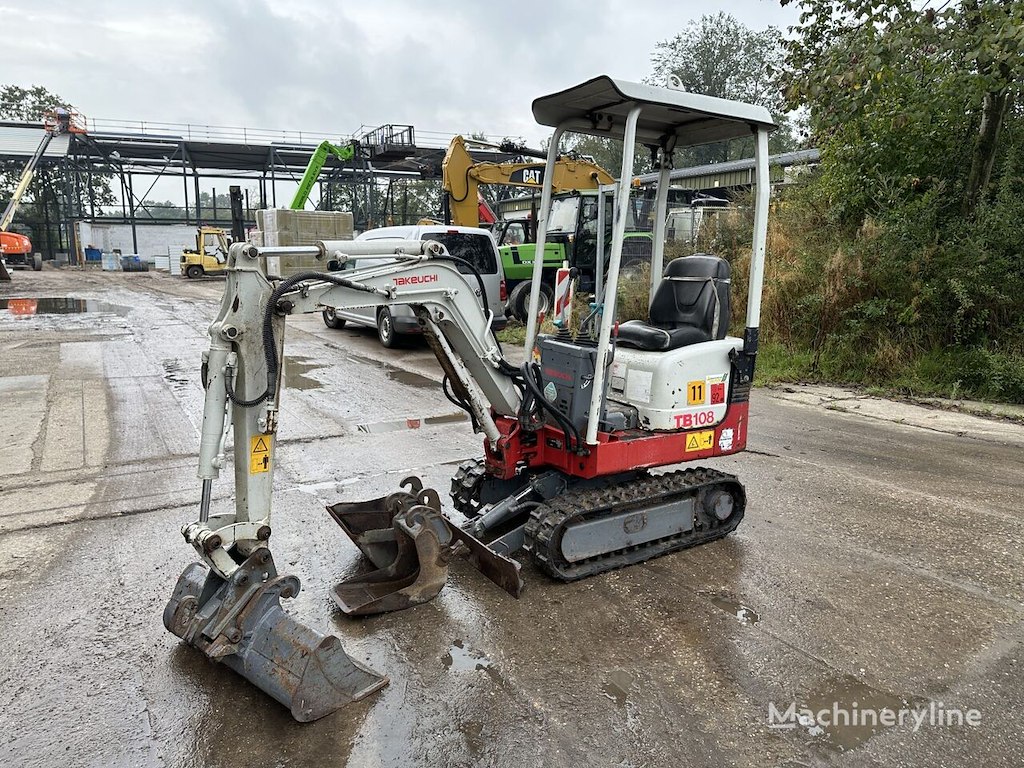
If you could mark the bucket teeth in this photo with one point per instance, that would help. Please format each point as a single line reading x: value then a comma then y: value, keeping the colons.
x: 240, y: 623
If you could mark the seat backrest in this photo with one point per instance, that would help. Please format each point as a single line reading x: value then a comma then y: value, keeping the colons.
x: 694, y: 292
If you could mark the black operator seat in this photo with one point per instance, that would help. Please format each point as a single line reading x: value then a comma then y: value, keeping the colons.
x: 690, y: 305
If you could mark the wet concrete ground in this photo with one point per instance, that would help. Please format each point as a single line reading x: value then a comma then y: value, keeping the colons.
x: 879, y: 563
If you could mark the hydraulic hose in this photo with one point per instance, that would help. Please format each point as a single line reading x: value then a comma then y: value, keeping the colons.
x: 269, y: 343
x: 531, y: 374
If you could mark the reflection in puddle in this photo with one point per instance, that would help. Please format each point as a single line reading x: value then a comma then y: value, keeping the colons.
x: 295, y: 370
x: 397, y: 425
x: 58, y: 306
x: 743, y: 614
x: 617, y: 687
x: 462, y: 658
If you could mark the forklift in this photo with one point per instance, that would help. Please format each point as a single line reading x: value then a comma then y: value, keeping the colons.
x: 210, y: 256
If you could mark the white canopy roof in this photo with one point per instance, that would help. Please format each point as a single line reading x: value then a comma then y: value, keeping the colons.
x: 599, y: 107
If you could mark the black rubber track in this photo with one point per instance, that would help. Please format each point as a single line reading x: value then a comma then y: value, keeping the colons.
x: 549, y: 521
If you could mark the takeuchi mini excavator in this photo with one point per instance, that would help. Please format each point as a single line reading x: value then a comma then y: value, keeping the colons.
x: 574, y: 438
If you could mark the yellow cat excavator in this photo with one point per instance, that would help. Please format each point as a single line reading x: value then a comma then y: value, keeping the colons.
x: 461, y: 177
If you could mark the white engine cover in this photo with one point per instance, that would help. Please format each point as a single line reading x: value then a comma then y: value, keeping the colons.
x: 683, y: 388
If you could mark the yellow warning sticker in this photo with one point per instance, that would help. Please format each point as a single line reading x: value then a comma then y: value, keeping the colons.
x: 695, y: 393
x: 700, y: 441
x: 259, y: 454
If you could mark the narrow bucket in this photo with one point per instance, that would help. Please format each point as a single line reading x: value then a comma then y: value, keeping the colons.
x: 240, y: 623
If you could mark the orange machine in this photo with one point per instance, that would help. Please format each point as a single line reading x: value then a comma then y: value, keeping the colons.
x: 15, y: 249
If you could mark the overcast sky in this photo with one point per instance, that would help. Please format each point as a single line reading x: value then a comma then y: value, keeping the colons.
x: 442, y: 65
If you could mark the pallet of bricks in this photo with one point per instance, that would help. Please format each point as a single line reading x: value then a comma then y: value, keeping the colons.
x: 284, y: 227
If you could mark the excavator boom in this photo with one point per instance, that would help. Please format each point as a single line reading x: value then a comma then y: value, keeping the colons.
x: 462, y: 177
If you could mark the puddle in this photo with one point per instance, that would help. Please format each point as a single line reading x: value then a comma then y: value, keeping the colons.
x: 58, y: 306
x: 410, y: 379
x: 398, y: 425
x: 462, y: 658
x: 295, y: 370
x: 473, y: 733
x: 854, y: 712
x: 617, y: 687
x: 393, y: 372
x: 742, y: 613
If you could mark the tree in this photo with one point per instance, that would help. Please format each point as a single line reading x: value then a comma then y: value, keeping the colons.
x: 900, y: 256
x: 958, y: 68
x: 39, y: 209
x: 719, y: 56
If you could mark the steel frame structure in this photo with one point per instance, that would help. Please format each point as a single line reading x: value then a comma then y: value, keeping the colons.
x: 136, y: 161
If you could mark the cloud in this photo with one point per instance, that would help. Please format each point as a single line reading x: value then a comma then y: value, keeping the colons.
x: 446, y: 65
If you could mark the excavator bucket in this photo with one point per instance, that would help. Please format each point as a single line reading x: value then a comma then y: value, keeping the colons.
x: 417, y: 573
x: 240, y: 623
x: 410, y: 543
x: 404, y: 536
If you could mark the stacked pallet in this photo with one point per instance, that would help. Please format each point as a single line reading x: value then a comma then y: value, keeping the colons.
x: 278, y: 227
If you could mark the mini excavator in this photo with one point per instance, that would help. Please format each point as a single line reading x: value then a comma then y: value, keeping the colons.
x: 571, y: 436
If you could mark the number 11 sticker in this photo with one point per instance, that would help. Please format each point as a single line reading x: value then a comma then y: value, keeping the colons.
x: 695, y: 393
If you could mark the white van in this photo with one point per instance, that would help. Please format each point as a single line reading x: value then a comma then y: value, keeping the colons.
x: 470, y: 244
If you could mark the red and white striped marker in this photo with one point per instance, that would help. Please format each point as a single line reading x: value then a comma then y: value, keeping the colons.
x: 563, y: 297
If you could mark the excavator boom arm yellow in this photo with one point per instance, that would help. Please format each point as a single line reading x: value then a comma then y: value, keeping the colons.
x: 462, y: 177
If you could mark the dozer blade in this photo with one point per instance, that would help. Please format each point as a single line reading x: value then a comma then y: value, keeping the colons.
x: 503, y: 571
x: 240, y: 623
x: 417, y: 573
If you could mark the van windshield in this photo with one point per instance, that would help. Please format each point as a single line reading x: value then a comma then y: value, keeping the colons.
x: 476, y: 249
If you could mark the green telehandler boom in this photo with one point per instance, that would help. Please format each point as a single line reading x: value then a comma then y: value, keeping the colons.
x: 316, y: 164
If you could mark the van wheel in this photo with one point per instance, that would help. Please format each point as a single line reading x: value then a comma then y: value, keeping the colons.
x: 37, y: 262
x: 519, y: 300
x: 331, y: 319
x: 386, y: 329
x: 194, y: 271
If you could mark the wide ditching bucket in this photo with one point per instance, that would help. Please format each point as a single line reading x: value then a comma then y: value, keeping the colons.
x: 240, y: 623
x: 410, y: 543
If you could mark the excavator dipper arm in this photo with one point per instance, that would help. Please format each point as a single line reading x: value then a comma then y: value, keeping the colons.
x: 243, y: 367
x: 228, y: 606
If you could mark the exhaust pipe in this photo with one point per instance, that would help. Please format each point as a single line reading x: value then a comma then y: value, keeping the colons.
x: 240, y: 623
